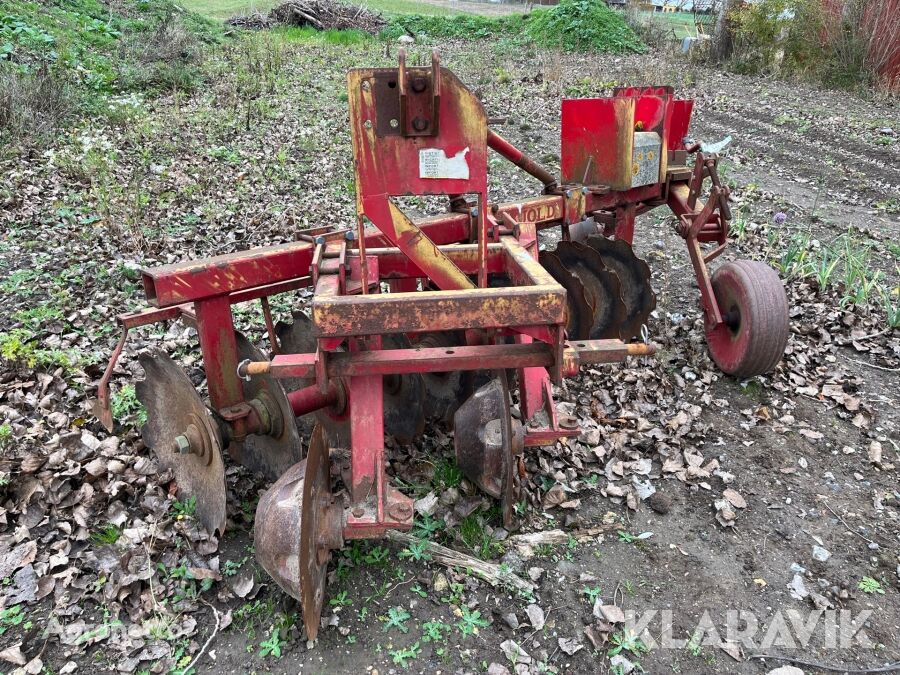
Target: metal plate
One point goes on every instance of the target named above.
(645, 158)
(174, 409)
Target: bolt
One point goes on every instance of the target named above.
(394, 123)
(367, 124)
(568, 422)
(183, 444)
(420, 124)
(568, 194)
(418, 84)
(358, 512)
(365, 85)
(320, 240)
(585, 190)
(400, 511)
(473, 212)
(350, 235)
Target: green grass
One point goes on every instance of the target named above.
(682, 23)
(223, 9)
(333, 37)
(69, 57)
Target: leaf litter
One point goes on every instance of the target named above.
(91, 528)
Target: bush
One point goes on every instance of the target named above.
(67, 56)
(846, 43)
(583, 25)
(572, 25)
(33, 103)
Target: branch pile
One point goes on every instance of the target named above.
(319, 14)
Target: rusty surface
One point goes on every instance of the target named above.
(602, 288)
(634, 277)
(278, 446)
(297, 526)
(391, 165)
(174, 410)
(579, 313)
(198, 279)
(394, 264)
(488, 443)
(336, 315)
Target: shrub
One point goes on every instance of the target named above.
(583, 25)
(33, 103)
(843, 43)
(572, 25)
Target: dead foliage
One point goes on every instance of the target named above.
(318, 14)
(33, 102)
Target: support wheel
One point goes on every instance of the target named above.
(756, 325)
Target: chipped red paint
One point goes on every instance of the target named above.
(420, 131)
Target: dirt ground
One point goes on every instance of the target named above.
(798, 447)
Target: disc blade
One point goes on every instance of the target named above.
(579, 315)
(269, 455)
(634, 276)
(295, 530)
(444, 392)
(404, 413)
(488, 444)
(175, 409)
(601, 287)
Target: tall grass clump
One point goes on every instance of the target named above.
(583, 25)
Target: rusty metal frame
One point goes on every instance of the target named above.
(395, 115)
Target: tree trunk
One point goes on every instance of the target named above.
(723, 42)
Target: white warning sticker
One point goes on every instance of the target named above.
(434, 163)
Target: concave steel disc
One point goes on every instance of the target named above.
(404, 395)
(579, 314)
(297, 525)
(444, 392)
(297, 338)
(269, 455)
(404, 417)
(601, 287)
(634, 277)
(175, 409)
(489, 443)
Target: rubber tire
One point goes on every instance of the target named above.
(756, 344)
